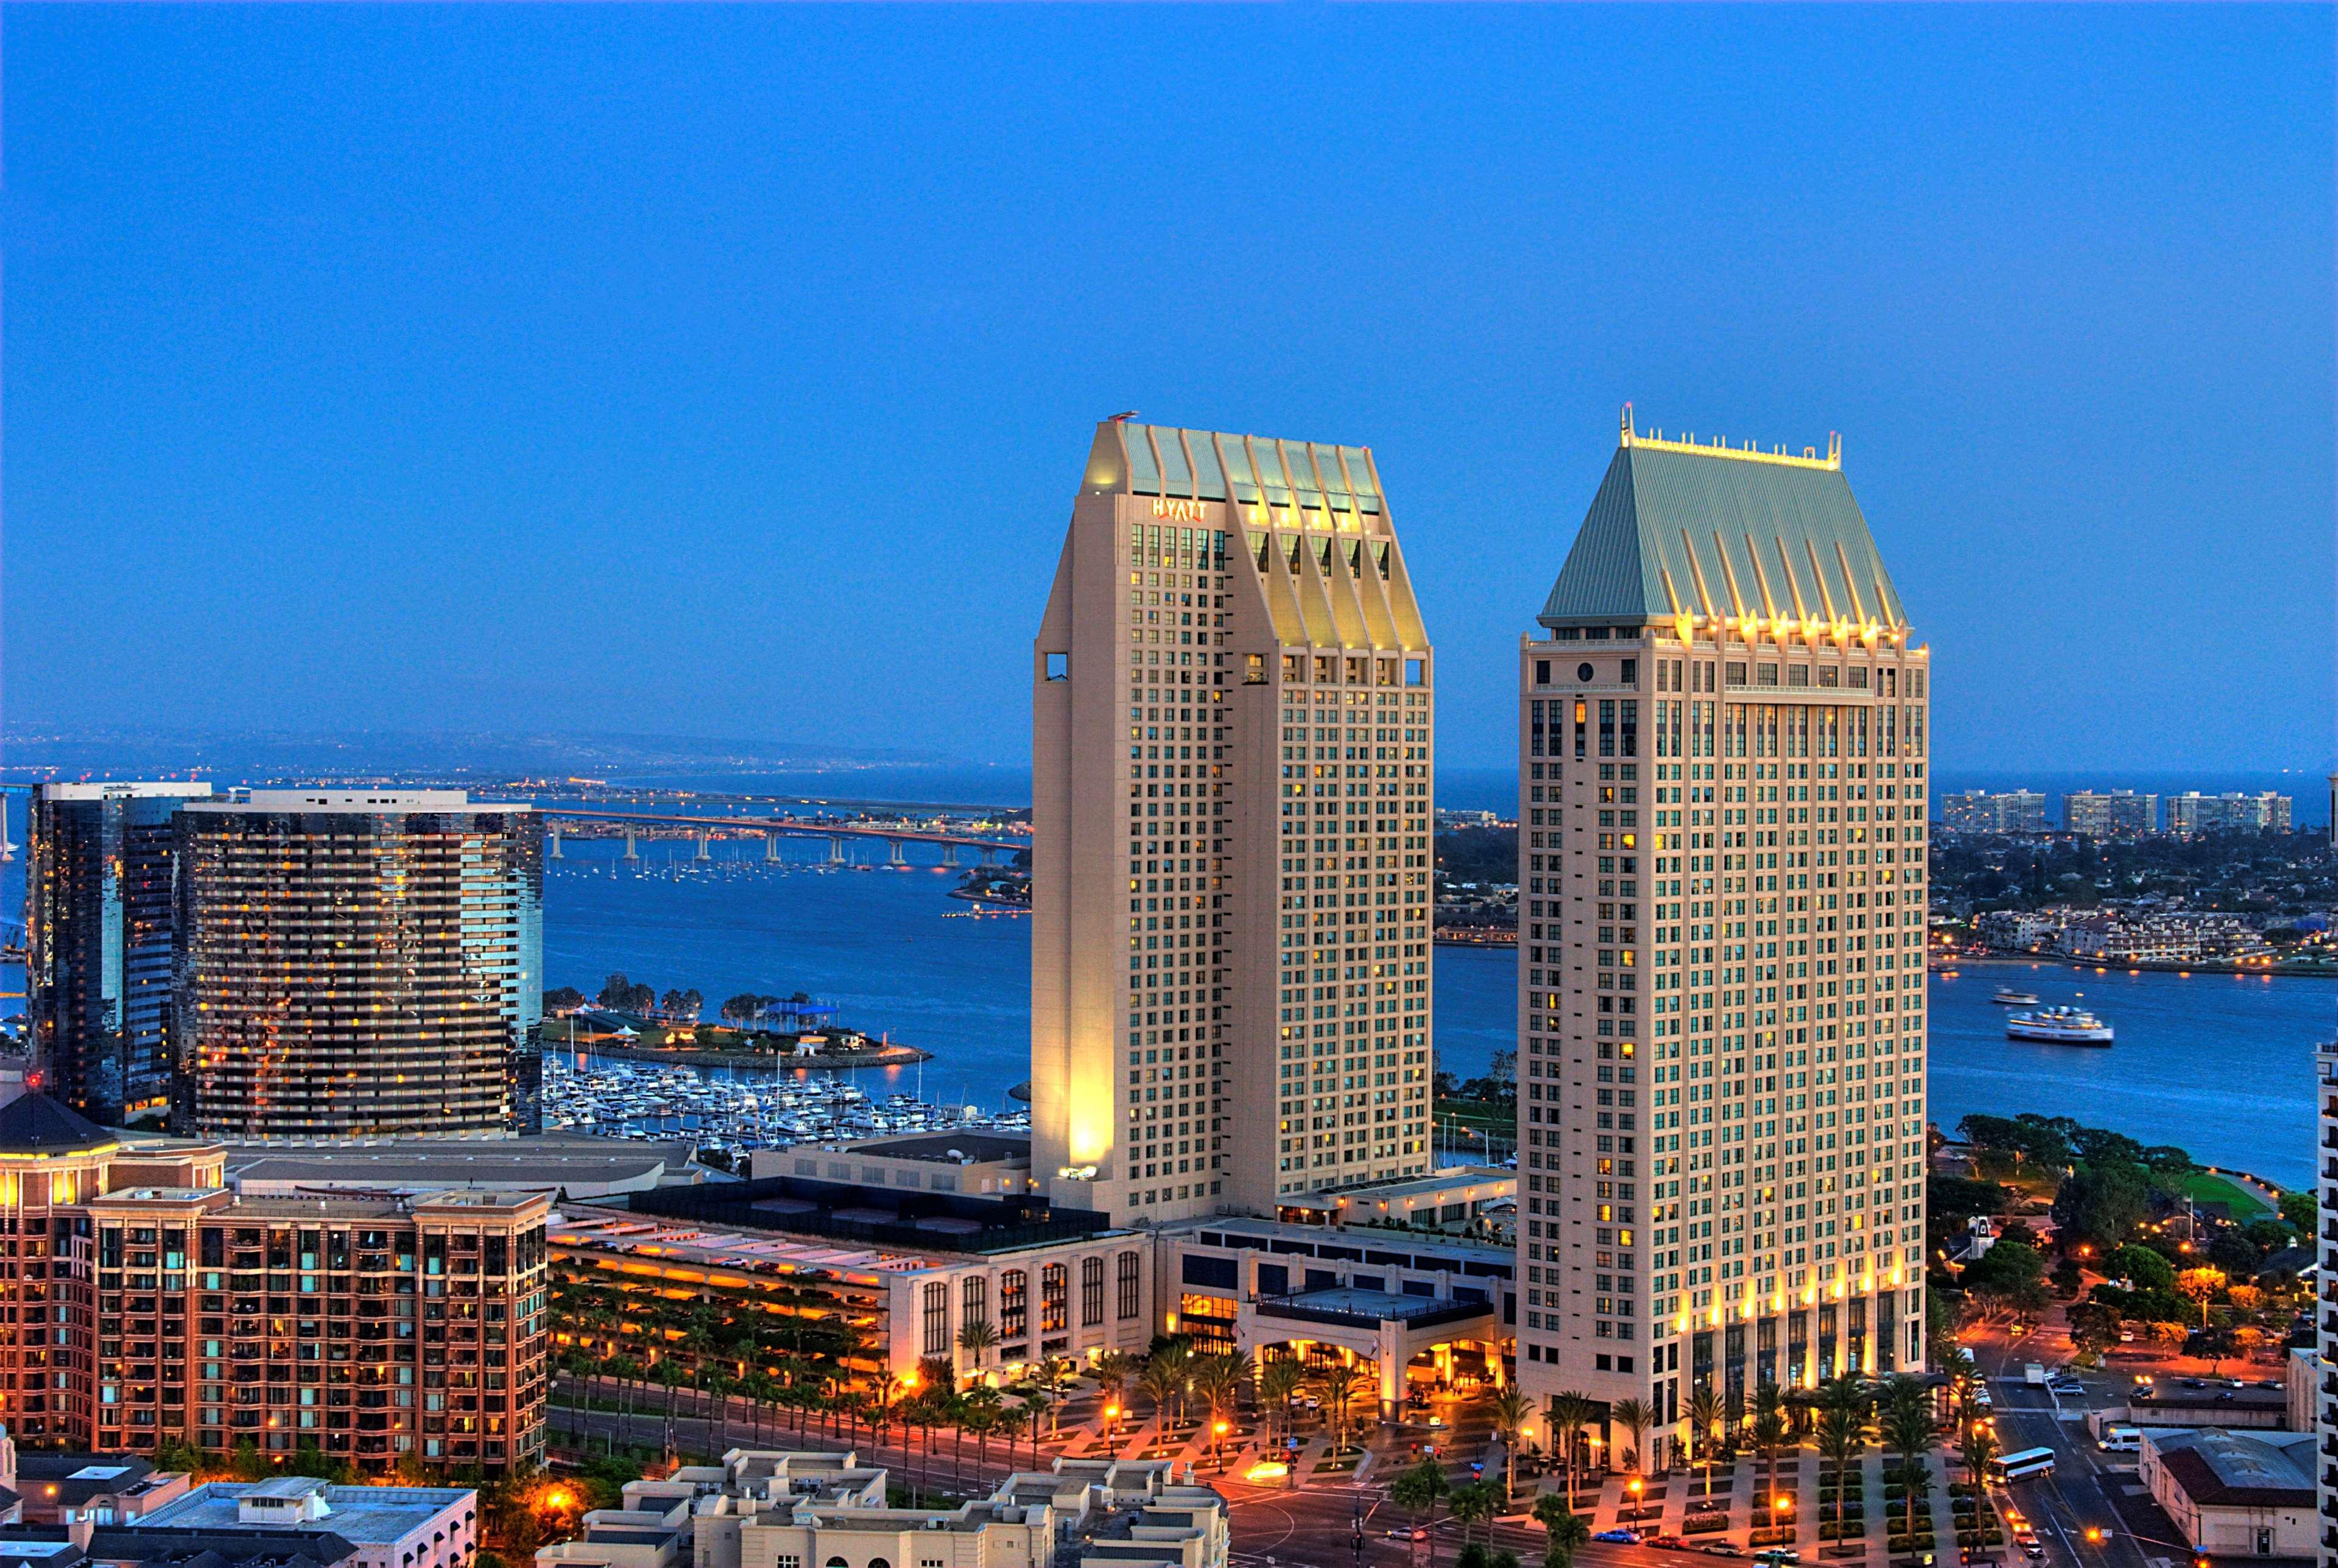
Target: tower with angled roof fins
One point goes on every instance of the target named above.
(1722, 775)
(1232, 759)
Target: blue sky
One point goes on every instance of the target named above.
(728, 371)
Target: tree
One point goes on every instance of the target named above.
(1511, 1410)
(1908, 1428)
(1419, 1490)
(1569, 1534)
(1976, 1448)
(1570, 1412)
(248, 1462)
(1476, 1502)
(2094, 1328)
(1160, 1382)
(1279, 1382)
(2009, 1277)
(2101, 1203)
(1636, 1416)
(563, 999)
(1337, 1383)
(1841, 1432)
(616, 991)
(1769, 1431)
(977, 1338)
(1703, 1418)
(2200, 1285)
(2298, 1211)
(2145, 1269)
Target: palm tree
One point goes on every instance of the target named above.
(1337, 1381)
(1769, 1428)
(1841, 1431)
(1420, 1489)
(1032, 1405)
(1279, 1381)
(1217, 1380)
(1908, 1428)
(1703, 1418)
(1112, 1372)
(1977, 1448)
(1638, 1417)
(1570, 1412)
(1160, 1382)
(978, 1337)
(1474, 1504)
(1511, 1411)
(1177, 1358)
(1569, 1530)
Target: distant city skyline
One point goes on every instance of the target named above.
(618, 369)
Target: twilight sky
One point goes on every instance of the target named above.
(728, 371)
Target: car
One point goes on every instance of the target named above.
(1618, 1537)
(2234, 1383)
(1664, 1543)
(1723, 1549)
(1417, 1532)
(2143, 1381)
(2195, 1382)
(2068, 1390)
(2268, 1383)
(2034, 1548)
(1777, 1557)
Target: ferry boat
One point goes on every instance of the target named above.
(2009, 997)
(2058, 1026)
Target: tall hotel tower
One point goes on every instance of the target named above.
(1231, 719)
(1721, 801)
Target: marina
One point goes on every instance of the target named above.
(735, 1113)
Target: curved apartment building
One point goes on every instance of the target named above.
(357, 962)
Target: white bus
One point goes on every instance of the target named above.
(2022, 1466)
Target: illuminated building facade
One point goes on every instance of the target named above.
(1722, 762)
(98, 941)
(376, 1328)
(358, 962)
(1233, 723)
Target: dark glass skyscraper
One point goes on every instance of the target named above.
(98, 941)
(357, 962)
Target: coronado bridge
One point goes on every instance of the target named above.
(840, 836)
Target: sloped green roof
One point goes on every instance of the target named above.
(1676, 529)
(1213, 466)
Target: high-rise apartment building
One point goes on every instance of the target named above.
(98, 941)
(1722, 804)
(1233, 721)
(2193, 815)
(2115, 814)
(2008, 811)
(358, 962)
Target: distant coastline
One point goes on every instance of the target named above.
(2291, 969)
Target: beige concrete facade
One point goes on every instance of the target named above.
(1233, 756)
(1721, 964)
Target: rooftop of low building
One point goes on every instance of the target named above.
(368, 1516)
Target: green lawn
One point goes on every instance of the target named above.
(2242, 1204)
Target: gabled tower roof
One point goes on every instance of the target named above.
(1680, 529)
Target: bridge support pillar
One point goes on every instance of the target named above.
(770, 847)
(893, 847)
(989, 856)
(949, 854)
(836, 855)
(631, 852)
(701, 854)
(552, 849)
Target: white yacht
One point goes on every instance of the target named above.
(2058, 1026)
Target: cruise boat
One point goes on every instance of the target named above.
(2008, 995)
(2058, 1026)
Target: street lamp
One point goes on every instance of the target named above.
(1635, 1486)
(1218, 1442)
